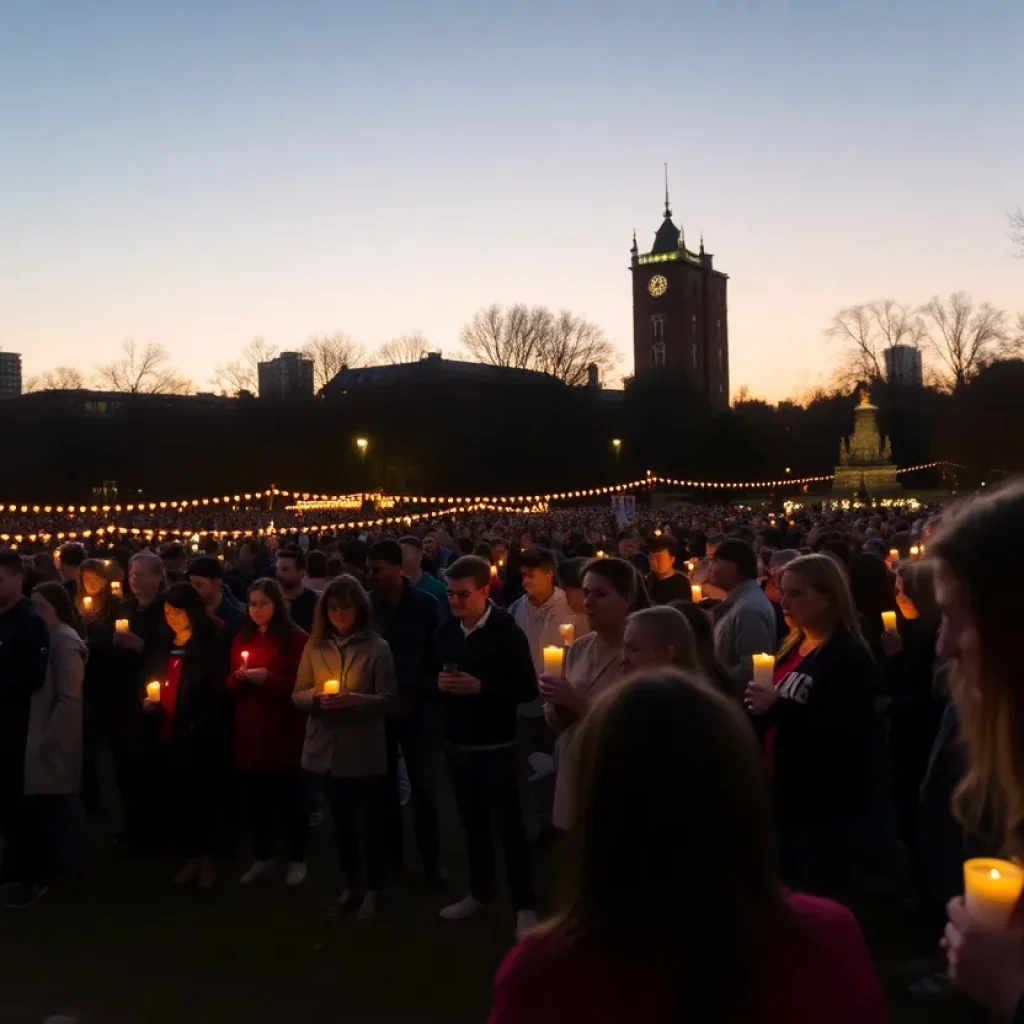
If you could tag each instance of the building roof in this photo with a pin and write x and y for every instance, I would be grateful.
(433, 369)
(667, 237)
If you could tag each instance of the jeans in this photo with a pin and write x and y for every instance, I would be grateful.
(417, 735)
(357, 808)
(54, 836)
(13, 824)
(486, 786)
(276, 799)
(198, 798)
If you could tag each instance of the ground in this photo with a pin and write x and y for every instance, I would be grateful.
(126, 947)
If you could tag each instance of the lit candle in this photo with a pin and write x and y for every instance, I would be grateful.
(331, 687)
(914, 551)
(568, 631)
(115, 588)
(894, 553)
(601, 554)
(554, 659)
(696, 592)
(153, 690)
(889, 622)
(691, 565)
(87, 604)
(992, 889)
(494, 571)
(764, 667)
(122, 626)
(245, 659)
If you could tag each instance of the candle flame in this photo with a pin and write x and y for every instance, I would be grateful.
(994, 874)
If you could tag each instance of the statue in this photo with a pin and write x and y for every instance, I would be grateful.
(865, 460)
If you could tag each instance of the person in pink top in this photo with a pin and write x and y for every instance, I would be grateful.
(671, 908)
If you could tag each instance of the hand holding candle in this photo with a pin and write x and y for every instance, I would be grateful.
(153, 691)
(696, 592)
(568, 633)
(87, 604)
(992, 889)
(122, 626)
(554, 659)
(245, 660)
(331, 688)
(764, 667)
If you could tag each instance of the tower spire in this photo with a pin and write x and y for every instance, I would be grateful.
(668, 208)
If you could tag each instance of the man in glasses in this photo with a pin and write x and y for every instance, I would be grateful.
(486, 672)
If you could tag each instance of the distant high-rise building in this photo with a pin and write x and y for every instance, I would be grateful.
(10, 375)
(903, 366)
(290, 375)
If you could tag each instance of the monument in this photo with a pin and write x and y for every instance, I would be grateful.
(865, 460)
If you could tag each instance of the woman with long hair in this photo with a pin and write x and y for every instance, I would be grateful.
(704, 643)
(347, 684)
(612, 589)
(979, 565)
(94, 598)
(268, 728)
(819, 715)
(658, 637)
(54, 818)
(659, 923)
(194, 724)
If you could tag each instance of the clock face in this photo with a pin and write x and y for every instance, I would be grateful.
(657, 286)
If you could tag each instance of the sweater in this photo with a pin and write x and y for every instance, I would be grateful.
(825, 974)
(268, 728)
(498, 654)
(823, 722)
(541, 624)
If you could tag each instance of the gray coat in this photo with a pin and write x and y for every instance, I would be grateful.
(53, 754)
(351, 743)
(744, 626)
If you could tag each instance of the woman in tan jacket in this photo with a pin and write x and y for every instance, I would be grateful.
(612, 588)
(345, 737)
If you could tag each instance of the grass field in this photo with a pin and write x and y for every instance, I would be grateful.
(127, 947)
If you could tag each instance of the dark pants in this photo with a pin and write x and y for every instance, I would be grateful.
(276, 799)
(197, 791)
(486, 786)
(357, 808)
(416, 736)
(13, 826)
(54, 836)
(819, 858)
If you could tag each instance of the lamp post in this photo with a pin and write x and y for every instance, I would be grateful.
(617, 445)
(362, 444)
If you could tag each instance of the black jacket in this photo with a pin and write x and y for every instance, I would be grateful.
(24, 650)
(498, 654)
(824, 719)
(409, 627)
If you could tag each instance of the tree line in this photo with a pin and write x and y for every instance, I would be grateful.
(560, 343)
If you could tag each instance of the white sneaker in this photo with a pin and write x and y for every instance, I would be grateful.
(295, 875)
(368, 908)
(258, 869)
(525, 920)
(465, 908)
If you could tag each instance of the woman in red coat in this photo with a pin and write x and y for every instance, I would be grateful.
(269, 730)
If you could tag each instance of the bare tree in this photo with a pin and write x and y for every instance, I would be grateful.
(406, 348)
(142, 371)
(966, 337)
(866, 331)
(331, 353)
(1017, 231)
(535, 338)
(242, 374)
(63, 378)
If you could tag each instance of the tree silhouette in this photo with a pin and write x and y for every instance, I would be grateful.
(242, 374)
(61, 378)
(965, 337)
(866, 331)
(405, 348)
(142, 371)
(331, 353)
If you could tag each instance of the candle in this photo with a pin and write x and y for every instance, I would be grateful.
(914, 551)
(601, 554)
(494, 571)
(991, 890)
(122, 626)
(115, 588)
(889, 622)
(153, 690)
(245, 659)
(331, 687)
(87, 604)
(696, 592)
(554, 658)
(691, 565)
(764, 666)
(894, 554)
(568, 631)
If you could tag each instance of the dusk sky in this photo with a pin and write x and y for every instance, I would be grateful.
(196, 173)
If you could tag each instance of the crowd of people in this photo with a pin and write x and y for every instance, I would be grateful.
(724, 719)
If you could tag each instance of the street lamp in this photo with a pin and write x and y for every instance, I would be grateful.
(362, 444)
(617, 445)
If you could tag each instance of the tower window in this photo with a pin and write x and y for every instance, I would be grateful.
(718, 330)
(693, 348)
(658, 356)
(720, 361)
(658, 327)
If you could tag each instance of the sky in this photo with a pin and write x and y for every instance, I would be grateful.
(197, 173)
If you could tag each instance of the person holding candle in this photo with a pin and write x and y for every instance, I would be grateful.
(486, 671)
(656, 927)
(818, 723)
(664, 582)
(54, 815)
(612, 589)
(193, 727)
(346, 742)
(979, 562)
(268, 729)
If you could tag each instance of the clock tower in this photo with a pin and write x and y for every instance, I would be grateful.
(680, 316)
